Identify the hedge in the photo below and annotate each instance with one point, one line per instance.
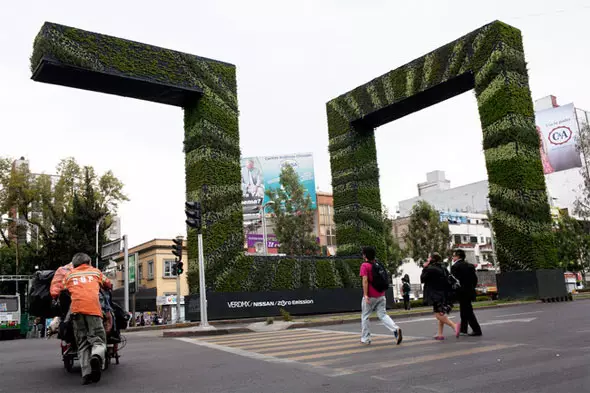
(259, 273)
(491, 61)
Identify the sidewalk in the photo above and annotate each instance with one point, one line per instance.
(246, 325)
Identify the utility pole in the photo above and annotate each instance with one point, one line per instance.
(97, 229)
(264, 233)
(126, 274)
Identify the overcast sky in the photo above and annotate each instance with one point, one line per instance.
(291, 60)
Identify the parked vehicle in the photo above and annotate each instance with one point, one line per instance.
(10, 316)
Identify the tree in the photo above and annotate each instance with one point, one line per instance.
(393, 252)
(64, 208)
(426, 233)
(582, 203)
(573, 244)
(294, 217)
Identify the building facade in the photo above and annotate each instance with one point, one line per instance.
(154, 275)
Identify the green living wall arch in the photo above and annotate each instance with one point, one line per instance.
(491, 61)
(206, 89)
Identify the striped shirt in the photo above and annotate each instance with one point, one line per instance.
(84, 284)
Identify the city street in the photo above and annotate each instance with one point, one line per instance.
(533, 348)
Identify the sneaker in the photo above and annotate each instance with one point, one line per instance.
(368, 342)
(457, 329)
(86, 380)
(95, 365)
(397, 333)
(439, 338)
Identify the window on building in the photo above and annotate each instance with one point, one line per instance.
(150, 272)
(168, 263)
(140, 272)
(457, 239)
(488, 240)
(473, 239)
(331, 236)
(481, 240)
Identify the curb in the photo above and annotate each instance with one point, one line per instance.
(199, 333)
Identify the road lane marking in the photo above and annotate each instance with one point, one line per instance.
(362, 348)
(312, 342)
(421, 359)
(328, 372)
(315, 348)
(229, 341)
(503, 321)
(520, 313)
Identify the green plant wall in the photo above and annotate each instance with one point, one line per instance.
(212, 140)
(491, 61)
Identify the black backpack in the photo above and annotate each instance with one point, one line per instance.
(380, 279)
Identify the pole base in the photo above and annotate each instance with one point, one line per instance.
(205, 327)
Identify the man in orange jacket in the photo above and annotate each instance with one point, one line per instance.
(84, 283)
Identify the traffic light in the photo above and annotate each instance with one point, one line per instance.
(193, 214)
(179, 268)
(175, 269)
(177, 248)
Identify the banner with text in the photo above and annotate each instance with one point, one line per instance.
(558, 132)
(228, 305)
(262, 173)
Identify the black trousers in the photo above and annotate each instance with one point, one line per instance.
(467, 316)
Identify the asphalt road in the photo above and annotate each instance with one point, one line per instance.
(538, 348)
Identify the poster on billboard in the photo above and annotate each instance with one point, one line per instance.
(558, 133)
(262, 173)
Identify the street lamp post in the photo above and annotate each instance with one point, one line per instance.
(264, 235)
(97, 228)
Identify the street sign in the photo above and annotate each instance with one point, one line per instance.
(111, 249)
(132, 272)
(114, 231)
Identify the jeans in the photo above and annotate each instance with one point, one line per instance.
(90, 339)
(375, 304)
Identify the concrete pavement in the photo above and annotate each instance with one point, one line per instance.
(538, 348)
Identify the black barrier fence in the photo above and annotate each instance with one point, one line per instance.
(230, 305)
(544, 284)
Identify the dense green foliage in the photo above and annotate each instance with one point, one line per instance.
(293, 215)
(426, 233)
(493, 57)
(212, 141)
(572, 240)
(251, 274)
(65, 212)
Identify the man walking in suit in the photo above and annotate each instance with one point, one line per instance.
(465, 273)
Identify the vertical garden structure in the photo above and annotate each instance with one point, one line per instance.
(491, 61)
(204, 88)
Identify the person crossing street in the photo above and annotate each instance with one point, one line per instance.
(374, 287)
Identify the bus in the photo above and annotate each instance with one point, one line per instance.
(10, 316)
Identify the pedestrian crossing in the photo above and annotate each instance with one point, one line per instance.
(337, 353)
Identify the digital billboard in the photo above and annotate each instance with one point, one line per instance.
(263, 173)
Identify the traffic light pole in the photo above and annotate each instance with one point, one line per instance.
(126, 274)
(202, 289)
(178, 319)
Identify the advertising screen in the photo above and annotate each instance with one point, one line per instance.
(263, 173)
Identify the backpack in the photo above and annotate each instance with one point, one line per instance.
(453, 281)
(380, 280)
(406, 288)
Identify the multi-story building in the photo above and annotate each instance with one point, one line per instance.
(156, 281)
(470, 232)
(324, 229)
(325, 226)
